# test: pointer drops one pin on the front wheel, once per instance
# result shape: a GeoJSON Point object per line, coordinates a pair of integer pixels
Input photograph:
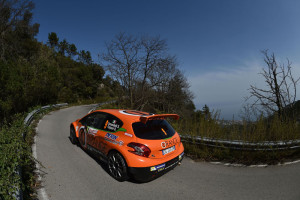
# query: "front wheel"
{"type": "Point", "coordinates": [73, 135]}
{"type": "Point", "coordinates": [82, 138]}
{"type": "Point", "coordinates": [117, 166]}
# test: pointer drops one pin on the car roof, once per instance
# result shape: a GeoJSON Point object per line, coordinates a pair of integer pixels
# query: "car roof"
{"type": "Point", "coordinates": [126, 115]}
{"type": "Point", "coordinates": [131, 116]}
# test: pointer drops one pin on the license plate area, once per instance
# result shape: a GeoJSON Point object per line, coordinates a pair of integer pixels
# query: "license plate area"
{"type": "Point", "coordinates": [168, 150]}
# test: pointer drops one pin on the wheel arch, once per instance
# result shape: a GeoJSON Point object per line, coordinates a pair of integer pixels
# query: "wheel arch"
{"type": "Point", "coordinates": [73, 125]}
{"type": "Point", "coordinates": [120, 152]}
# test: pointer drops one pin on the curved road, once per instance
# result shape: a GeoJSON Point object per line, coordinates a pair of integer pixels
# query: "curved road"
{"type": "Point", "coordinates": [70, 173]}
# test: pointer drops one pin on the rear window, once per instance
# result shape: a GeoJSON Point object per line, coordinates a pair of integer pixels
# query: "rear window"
{"type": "Point", "coordinates": [153, 130]}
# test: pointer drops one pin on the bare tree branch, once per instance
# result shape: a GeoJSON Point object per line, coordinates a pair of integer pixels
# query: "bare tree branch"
{"type": "Point", "coordinates": [280, 91]}
{"type": "Point", "coordinates": [146, 72]}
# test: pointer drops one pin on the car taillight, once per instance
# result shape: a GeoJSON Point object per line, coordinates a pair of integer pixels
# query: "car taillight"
{"type": "Point", "coordinates": [139, 149]}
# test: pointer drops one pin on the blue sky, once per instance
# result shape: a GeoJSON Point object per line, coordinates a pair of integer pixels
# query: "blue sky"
{"type": "Point", "coordinates": [217, 43]}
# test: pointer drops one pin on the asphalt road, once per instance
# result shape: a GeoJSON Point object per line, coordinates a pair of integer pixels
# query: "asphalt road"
{"type": "Point", "coordinates": [70, 173]}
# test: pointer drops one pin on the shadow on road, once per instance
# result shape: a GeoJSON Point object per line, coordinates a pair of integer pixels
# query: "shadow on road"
{"type": "Point", "coordinates": [104, 166]}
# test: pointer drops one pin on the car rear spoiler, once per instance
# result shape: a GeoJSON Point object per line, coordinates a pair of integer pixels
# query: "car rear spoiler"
{"type": "Point", "coordinates": [144, 119]}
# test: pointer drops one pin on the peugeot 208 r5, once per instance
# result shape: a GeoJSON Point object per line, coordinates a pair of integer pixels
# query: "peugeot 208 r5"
{"type": "Point", "coordinates": [135, 143]}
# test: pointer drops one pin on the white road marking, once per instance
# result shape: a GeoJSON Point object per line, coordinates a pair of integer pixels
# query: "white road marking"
{"type": "Point", "coordinates": [261, 166]}
{"type": "Point", "coordinates": [253, 166]}
{"type": "Point", "coordinates": [290, 163]}
{"type": "Point", "coordinates": [41, 190]}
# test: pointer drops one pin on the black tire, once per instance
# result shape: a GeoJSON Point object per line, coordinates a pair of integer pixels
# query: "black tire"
{"type": "Point", "coordinates": [117, 166]}
{"type": "Point", "coordinates": [73, 137]}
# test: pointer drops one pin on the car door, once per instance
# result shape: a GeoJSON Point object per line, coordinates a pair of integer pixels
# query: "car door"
{"type": "Point", "coordinates": [88, 131]}
{"type": "Point", "coordinates": [101, 131]}
{"type": "Point", "coordinates": [94, 128]}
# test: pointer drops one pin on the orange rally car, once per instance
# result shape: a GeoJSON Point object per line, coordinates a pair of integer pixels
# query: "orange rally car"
{"type": "Point", "coordinates": [133, 143]}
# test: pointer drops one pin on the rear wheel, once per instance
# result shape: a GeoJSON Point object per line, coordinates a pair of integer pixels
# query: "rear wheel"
{"type": "Point", "coordinates": [73, 135]}
{"type": "Point", "coordinates": [117, 166]}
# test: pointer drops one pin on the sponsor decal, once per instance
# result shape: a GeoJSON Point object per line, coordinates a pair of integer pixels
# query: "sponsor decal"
{"type": "Point", "coordinates": [121, 143]}
{"type": "Point", "coordinates": [92, 131]}
{"type": "Point", "coordinates": [169, 143]}
{"type": "Point", "coordinates": [111, 136]}
{"type": "Point", "coordinates": [159, 170]}
{"type": "Point", "coordinates": [77, 128]}
{"type": "Point", "coordinates": [111, 126]}
{"type": "Point", "coordinates": [112, 139]}
{"type": "Point", "coordinates": [105, 124]}
{"type": "Point", "coordinates": [128, 134]}
{"type": "Point", "coordinates": [181, 155]}
{"type": "Point", "coordinates": [164, 131]}
{"type": "Point", "coordinates": [158, 167]}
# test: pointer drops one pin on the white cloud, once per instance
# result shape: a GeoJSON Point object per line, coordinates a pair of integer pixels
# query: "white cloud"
{"type": "Point", "coordinates": [225, 90]}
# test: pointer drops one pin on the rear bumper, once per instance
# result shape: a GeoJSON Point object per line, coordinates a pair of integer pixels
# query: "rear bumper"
{"type": "Point", "coordinates": [145, 174]}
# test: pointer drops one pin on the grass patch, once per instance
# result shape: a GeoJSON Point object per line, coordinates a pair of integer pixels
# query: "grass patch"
{"type": "Point", "coordinates": [260, 130]}
{"type": "Point", "coordinates": [263, 129]}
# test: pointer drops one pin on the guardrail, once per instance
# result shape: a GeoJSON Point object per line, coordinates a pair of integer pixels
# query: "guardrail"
{"type": "Point", "coordinates": [30, 116]}
{"type": "Point", "coordinates": [100, 104]}
{"type": "Point", "coordinates": [242, 145]}
{"type": "Point", "coordinates": [27, 121]}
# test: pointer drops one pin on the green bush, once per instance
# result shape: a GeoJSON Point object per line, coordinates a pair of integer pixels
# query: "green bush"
{"type": "Point", "coordinates": [264, 129]}
{"type": "Point", "coordinates": [15, 154]}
